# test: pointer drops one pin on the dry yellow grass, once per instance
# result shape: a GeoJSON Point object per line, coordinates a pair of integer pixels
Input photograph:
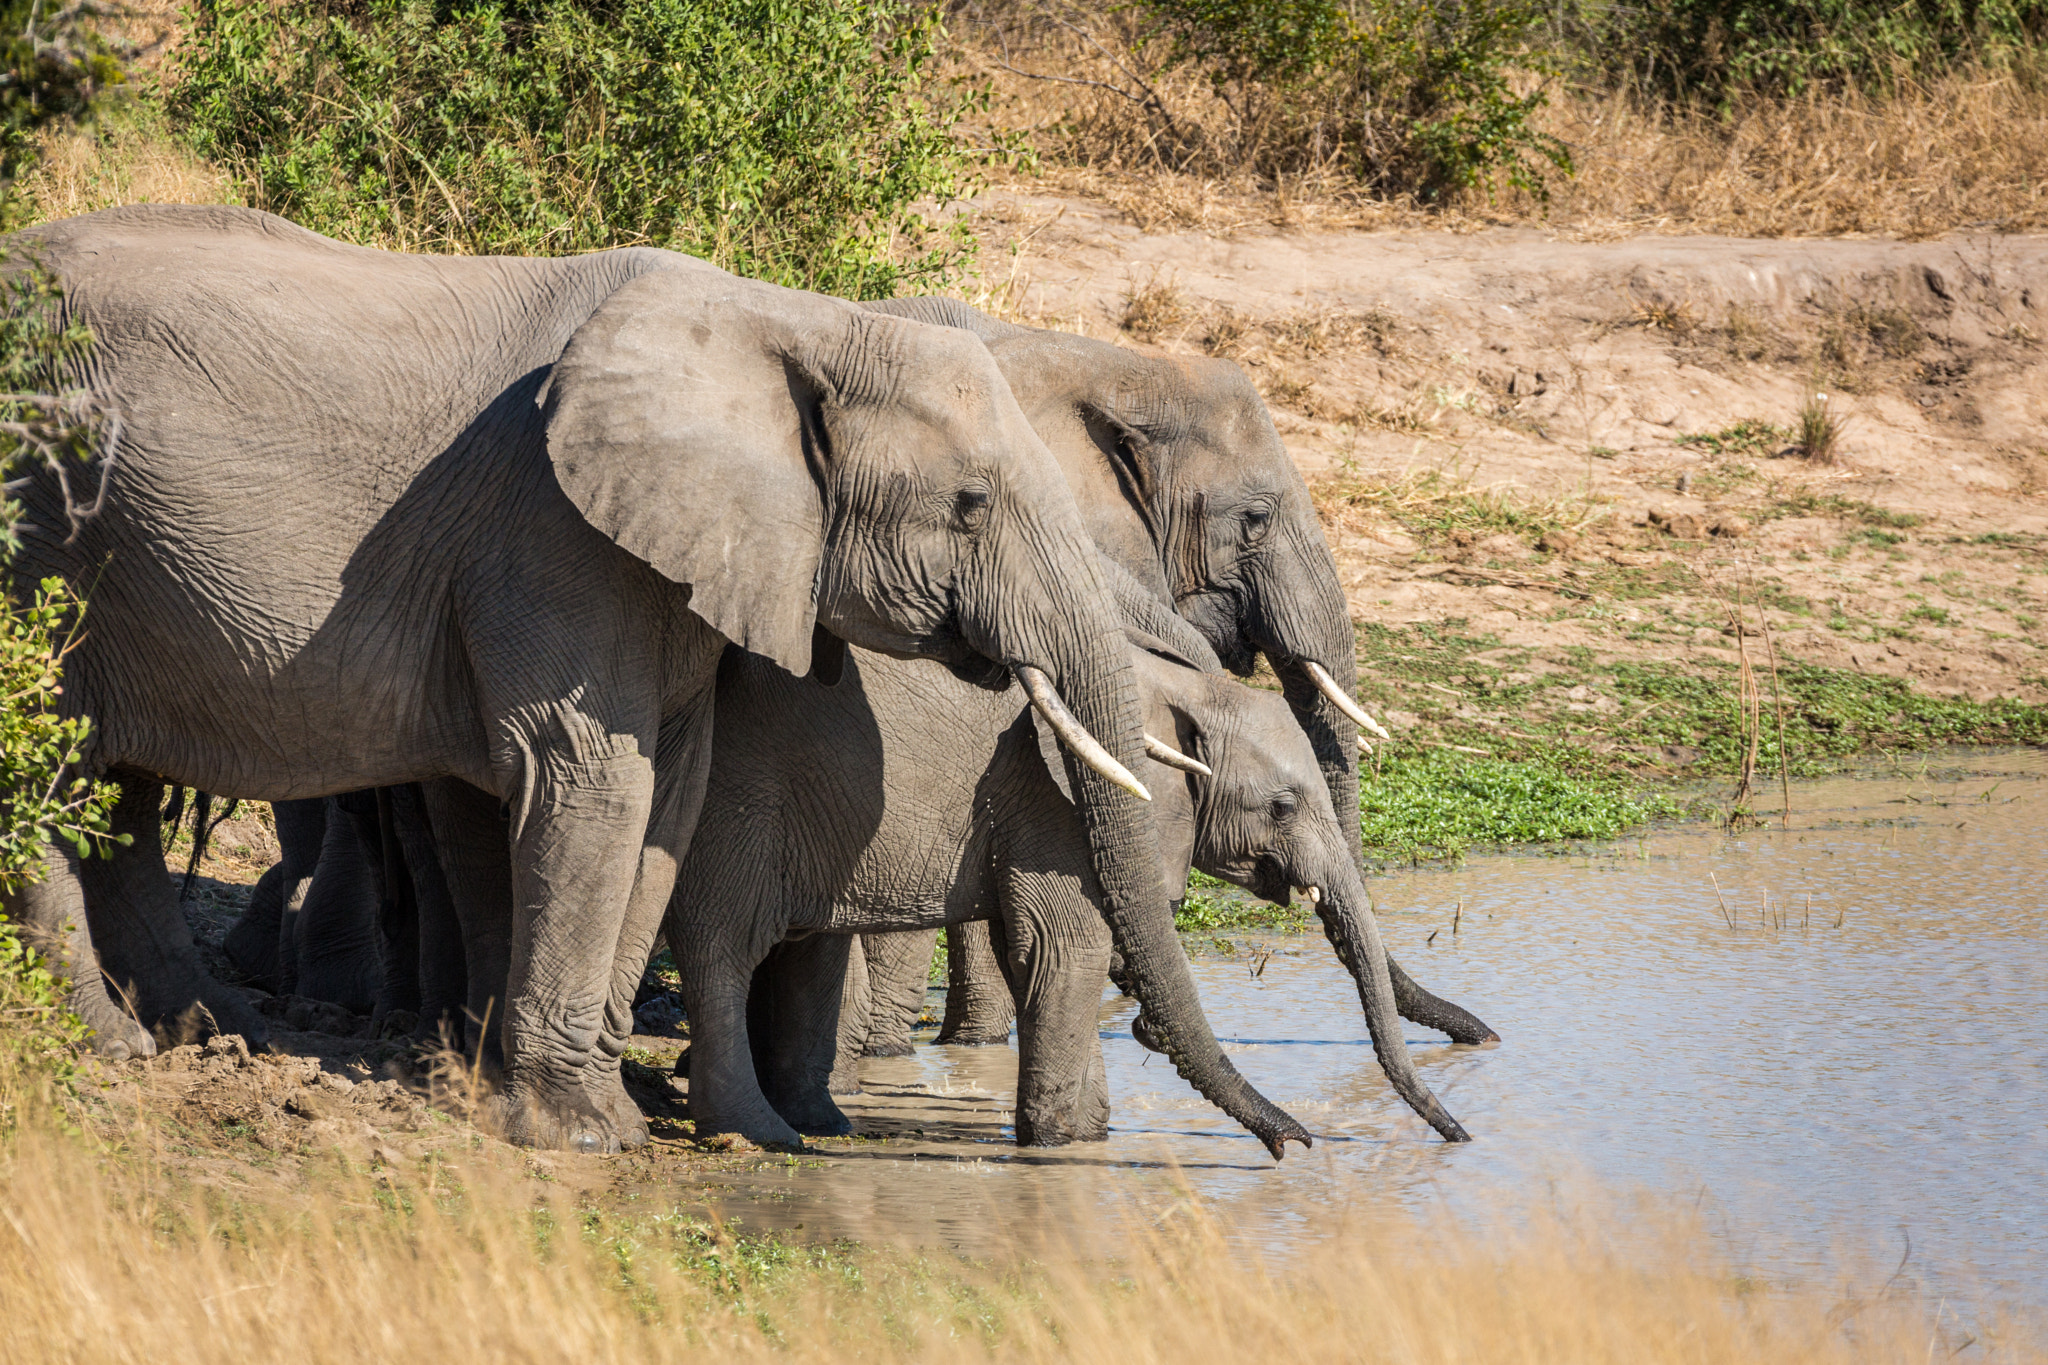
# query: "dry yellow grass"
{"type": "Point", "coordinates": [82, 170]}
{"type": "Point", "coordinates": [117, 1254]}
{"type": "Point", "coordinates": [1965, 150]}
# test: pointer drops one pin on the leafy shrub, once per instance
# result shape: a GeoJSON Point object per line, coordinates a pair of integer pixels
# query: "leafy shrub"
{"type": "Point", "coordinates": [786, 139]}
{"type": "Point", "coordinates": [1416, 96]}
{"type": "Point", "coordinates": [1718, 46]}
{"type": "Point", "coordinates": [52, 66]}
{"type": "Point", "coordinates": [40, 796]}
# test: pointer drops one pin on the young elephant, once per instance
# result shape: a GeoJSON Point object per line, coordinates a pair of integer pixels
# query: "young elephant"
{"type": "Point", "coordinates": [901, 800]}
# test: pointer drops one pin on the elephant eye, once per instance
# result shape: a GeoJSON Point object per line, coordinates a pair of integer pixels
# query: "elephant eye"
{"type": "Point", "coordinates": [1283, 807]}
{"type": "Point", "coordinates": [971, 504]}
{"type": "Point", "coordinates": [1256, 520]}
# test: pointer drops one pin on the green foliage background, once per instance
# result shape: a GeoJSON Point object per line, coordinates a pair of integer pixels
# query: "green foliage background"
{"type": "Point", "coordinates": [791, 140]}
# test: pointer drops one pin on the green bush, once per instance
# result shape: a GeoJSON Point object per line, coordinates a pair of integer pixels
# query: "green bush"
{"type": "Point", "coordinates": [42, 797]}
{"type": "Point", "coordinates": [1415, 96]}
{"type": "Point", "coordinates": [1716, 47]}
{"type": "Point", "coordinates": [785, 139]}
{"type": "Point", "coordinates": [52, 66]}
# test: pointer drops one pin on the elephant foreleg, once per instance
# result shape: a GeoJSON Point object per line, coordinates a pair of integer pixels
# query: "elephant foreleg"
{"type": "Point", "coordinates": [575, 861]}
{"type": "Point", "coordinates": [979, 1006]}
{"type": "Point", "coordinates": [1053, 948]}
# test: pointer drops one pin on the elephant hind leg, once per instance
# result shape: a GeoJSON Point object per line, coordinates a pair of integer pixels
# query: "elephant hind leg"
{"type": "Point", "coordinates": [51, 914]}
{"type": "Point", "coordinates": [979, 1006]}
{"type": "Point", "coordinates": [251, 941]}
{"type": "Point", "coordinates": [899, 967]}
{"type": "Point", "coordinates": [793, 1029]}
{"type": "Point", "coordinates": [144, 943]}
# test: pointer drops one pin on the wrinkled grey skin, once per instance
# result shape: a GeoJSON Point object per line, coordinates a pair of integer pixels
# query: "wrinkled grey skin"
{"type": "Point", "coordinates": [901, 800]}
{"type": "Point", "coordinates": [490, 523]}
{"type": "Point", "coordinates": [52, 918]}
{"type": "Point", "coordinates": [1184, 483]}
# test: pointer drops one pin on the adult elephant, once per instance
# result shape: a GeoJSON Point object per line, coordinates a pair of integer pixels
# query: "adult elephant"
{"type": "Point", "coordinates": [903, 799]}
{"type": "Point", "coordinates": [381, 518]}
{"type": "Point", "coordinates": [1183, 481]}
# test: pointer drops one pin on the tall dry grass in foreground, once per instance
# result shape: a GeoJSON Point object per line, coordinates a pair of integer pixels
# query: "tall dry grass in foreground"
{"type": "Point", "coordinates": [121, 1257]}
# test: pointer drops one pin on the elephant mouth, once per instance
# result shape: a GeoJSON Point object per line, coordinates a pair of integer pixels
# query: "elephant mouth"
{"type": "Point", "coordinates": [980, 671]}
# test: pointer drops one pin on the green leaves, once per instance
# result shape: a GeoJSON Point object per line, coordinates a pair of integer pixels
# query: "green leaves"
{"type": "Point", "coordinates": [790, 141]}
{"type": "Point", "coordinates": [1435, 800]}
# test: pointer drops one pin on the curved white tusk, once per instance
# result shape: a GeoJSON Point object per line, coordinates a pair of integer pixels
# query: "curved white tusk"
{"type": "Point", "coordinates": [1327, 685]}
{"type": "Point", "coordinates": [1312, 894]}
{"type": "Point", "coordinates": [1162, 752]}
{"type": "Point", "coordinates": [1072, 733]}
{"type": "Point", "coordinates": [1364, 745]}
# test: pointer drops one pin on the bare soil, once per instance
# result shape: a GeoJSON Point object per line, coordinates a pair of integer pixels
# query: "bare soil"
{"type": "Point", "coordinates": [1542, 438]}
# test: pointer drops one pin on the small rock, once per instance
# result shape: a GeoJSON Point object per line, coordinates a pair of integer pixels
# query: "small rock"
{"type": "Point", "coordinates": [1729, 528]}
{"type": "Point", "coordinates": [229, 1045]}
{"type": "Point", "coordinates": [334, 1082]}
{"type": "Point", "coordinates": [1677, 525]}
{"type": "Point", "coordinates": [1557, 542]}
{"type": "Point", "coordinates": [1684, 483]}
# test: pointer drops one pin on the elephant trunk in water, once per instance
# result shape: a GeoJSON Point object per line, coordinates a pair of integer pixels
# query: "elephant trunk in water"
{"type": "Point", "coordinates": [1306, 620]}
{"type": "Point", "coordinates": [1098, 684]}
{"type": "Point", "coordinates": [1355, 933]}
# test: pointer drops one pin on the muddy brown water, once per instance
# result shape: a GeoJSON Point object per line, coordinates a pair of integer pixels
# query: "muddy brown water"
{"type": "Point", "coordinates": [1823, 1085]}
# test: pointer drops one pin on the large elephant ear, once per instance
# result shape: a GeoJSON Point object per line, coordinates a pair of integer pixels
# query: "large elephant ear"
{"type": "Point", "coordinates": [682, 422]}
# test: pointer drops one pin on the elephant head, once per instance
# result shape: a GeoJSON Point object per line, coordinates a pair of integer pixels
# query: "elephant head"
{"type": "Point", "coordinates": [816, 473]}
{"type": "Point", "coordinates": [1183, 480]}
{"type": "Point", "coordinates": [1260, 818]}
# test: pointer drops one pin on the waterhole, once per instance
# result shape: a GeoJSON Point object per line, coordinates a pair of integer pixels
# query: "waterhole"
{"type": "Point", "coordinates": [1826, 1040]}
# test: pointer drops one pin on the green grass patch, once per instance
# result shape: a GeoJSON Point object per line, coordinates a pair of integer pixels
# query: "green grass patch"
{"type": "Point", "coordinates": [1441, 802]}
{"type": "Point", "coordinates": [1210, 906]}
{"type": "Point", "coordinates": [1750, 436]}
{"type": "Point", "coordinates": [1809, 504]}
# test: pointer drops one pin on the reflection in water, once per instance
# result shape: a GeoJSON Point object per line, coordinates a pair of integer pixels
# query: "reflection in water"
{"type": "Point", "coordinates": [1823, 1080]}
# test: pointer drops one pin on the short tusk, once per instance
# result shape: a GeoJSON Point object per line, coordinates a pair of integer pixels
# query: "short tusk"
{"type": "Point", "coordinates": [1312, 894]}
{"type": "Point", "coordinates": [1364, 745]}
{"type": "Point", "coordinates": [1072, 733]}
{"type": "Point", "coordinates": [1327, 685]}
{"type": "Point", "coordinates": [1162, 752]}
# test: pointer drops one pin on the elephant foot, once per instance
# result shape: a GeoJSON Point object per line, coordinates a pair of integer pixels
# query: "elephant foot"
{"type": "Point", "coordinates": [969, 1035]}
{"type": "Point", "coordinates": [352, 979]}
{"type": "Point", "coordinates": [814, 1115]}
{"type": "Point", "coordinates": [525, 1116]}
{"type": "Point", "coordinates": [1084, 1123]}
{"type": "Point", "coordinates": [116, 1035]}
{"type": "Point", "coordinates": [763, 1127]}
{"type": "Point", "coordinates": [609, 1096]}
{"type": "Point", "coordinates": [889, 1047]}
{"type": "Point", "coordinates": [213, 1009]}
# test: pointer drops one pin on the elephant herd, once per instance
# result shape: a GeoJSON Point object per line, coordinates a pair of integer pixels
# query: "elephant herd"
{"type": "Point", "coordinates": [562, 604]}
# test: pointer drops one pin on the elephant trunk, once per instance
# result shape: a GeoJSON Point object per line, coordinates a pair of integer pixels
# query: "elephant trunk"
{"type": "Point", "coordinates": [1355, 933]}
{"type": "Point", "coordinates": [1295, 626]}
{"type": "Point", "coordinates": [1099, 686]}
